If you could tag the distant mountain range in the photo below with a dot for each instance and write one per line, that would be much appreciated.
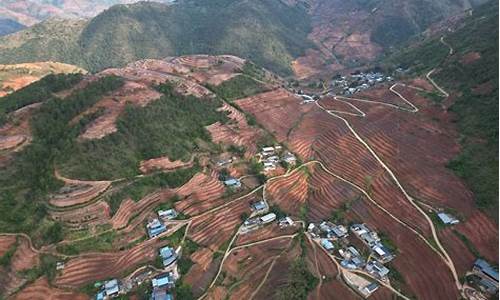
(30, 12)
(272, 33)
(8, 26)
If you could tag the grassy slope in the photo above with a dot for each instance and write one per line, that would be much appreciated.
(265, 31)
(477, 118)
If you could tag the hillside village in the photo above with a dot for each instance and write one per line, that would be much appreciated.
(334, 165)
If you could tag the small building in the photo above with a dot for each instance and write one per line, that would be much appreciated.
(59, 265)
(370, 289)
(273, 159)
(161, 294)
(382, 253)
(223, 162)
(165, 280)
(447, 219)
(269, 165)
(259, 206)
(327, 245)
(110, 289)
(252, 223)
(232, 182)
(155, 227)
(289, 158)
(266, 151)
(377, 269)
(268, 218)
(285, 222)
(313, 230)
(168, 214)
(488, 275)
(340, 231)
(168, 255)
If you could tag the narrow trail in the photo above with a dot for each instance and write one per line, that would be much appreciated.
(229, 250)
(441, 250)
(257, 289)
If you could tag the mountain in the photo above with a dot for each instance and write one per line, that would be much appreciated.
(8, 26)
(471, 74)
(315, 35)
(269, 32)
(30, 12)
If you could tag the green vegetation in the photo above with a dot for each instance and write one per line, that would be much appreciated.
(433, 96)
(39, 91)
(183, 291)
(140, 187)
(278, 211)
(269, 32)
(386, 241)
(338, 215)
(468, 244)
(6, 258)
(475, 82)
(25, 183)
(47, 267)
(173, 126)
(299, 282)
(99, 243)
(238, 87)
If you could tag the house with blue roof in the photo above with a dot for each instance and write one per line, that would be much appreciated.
(165, 280)
(327, 245)
(488, 275)
(447, 219)
(168, 255)
(232, 182)
(155, 228)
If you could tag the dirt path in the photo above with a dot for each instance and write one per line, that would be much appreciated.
(343, 270)
(440, 249)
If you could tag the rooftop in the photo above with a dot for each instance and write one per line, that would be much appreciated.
(486, 268)
(447, 219)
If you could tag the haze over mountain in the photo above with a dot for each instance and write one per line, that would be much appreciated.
(30, 12)
(8, 26)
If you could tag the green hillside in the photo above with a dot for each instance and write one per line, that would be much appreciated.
(268, 32)
(471, 74)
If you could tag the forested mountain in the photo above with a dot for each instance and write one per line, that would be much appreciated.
(470, 73)
(269, 32)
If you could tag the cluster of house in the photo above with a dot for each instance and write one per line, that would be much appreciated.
(256, 222)
(332, 236)
(351, 84)
(487, 277)
(271, 156)
(259, 208)
(162, 284)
